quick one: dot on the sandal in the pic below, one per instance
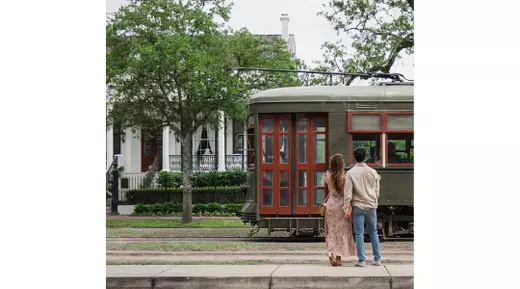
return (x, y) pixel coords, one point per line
(338, 260)
(332, 260)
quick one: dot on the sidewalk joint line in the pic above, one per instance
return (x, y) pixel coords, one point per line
(391, 280)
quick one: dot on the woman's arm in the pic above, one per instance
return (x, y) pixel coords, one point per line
(328, 181)
(347, 195)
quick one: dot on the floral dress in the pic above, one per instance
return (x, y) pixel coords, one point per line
(338, 229)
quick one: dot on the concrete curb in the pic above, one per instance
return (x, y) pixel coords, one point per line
(258, 276)
(254, 253)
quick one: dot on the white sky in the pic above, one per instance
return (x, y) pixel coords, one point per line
(311, 31)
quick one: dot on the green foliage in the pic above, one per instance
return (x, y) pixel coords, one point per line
(169, 179)
(169, 223)
(203, 179)
(380, 30)
(168, 64)
(200, 195)
(170, 208)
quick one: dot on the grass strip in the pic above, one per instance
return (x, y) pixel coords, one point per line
(165, 223)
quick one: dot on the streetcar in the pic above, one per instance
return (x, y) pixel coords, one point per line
(291, 134)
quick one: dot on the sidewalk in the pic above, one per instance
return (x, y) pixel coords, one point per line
(258, 276)
(277, 258)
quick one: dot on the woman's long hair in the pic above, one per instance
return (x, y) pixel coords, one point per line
(337, 170)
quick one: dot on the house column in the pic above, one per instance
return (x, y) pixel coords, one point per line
(166, 149)
(110, 146)
(221, 143)
(127, 151)
(230, 141)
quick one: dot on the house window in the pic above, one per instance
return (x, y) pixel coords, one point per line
(117, 139)
(203, 141)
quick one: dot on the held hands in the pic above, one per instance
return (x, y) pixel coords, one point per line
(348, 213)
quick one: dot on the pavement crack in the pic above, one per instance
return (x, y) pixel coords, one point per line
(173, 266)
(391, 280)
(154, 280)
(271, 276)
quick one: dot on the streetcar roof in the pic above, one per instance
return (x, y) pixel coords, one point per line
(334, 94)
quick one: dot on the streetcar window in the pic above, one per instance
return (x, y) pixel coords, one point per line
(302, 148)
(319, 149)
(371, 142)
(320, 124)
(399, 122)
(250, 147)
(362, 122)
(400, 148)
(267, 148)
(267, 125)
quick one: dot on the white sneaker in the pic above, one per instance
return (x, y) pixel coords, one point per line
(376, 263)
(360, 264)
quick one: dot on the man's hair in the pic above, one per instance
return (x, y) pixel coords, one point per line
(360, 154)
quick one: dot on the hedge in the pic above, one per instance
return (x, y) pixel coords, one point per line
(171, 208)
(199, 195)
(203, 179)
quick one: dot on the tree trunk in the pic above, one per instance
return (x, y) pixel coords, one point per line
(187, 164)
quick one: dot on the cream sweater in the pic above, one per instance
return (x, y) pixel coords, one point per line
(362, 188)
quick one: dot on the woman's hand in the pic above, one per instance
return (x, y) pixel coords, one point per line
(348, 213)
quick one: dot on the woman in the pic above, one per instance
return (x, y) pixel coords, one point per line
(338, 239)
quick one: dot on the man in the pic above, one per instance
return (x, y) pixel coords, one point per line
(363, 194)
(393, 158)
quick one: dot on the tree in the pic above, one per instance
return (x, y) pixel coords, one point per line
(168, 65)
(380, 31)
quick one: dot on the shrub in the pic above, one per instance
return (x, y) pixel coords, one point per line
(232, 208)
(169, 180)
(214, 208)
(199, 195)
(203, 179)
(161, 209)
(198, 208)
(141, 209)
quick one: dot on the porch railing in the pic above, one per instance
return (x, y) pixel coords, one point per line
(235, 162)
(202, 163)
(206, 163)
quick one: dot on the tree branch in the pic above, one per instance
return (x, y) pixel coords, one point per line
(410, 2)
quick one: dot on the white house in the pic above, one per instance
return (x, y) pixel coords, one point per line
(220, 149)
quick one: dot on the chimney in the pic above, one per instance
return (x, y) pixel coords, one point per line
(285, 27)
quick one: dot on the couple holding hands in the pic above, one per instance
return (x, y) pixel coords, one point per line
(352, 200)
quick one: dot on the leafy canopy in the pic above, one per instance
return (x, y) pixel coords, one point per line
(168, 64)
(380, 30)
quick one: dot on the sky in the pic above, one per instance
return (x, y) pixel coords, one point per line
(310, 30)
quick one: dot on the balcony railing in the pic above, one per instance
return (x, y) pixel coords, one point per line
(202, 163)
(206, 163)
(235, 162)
